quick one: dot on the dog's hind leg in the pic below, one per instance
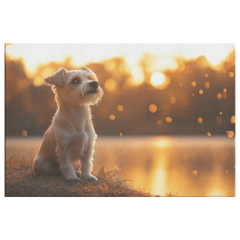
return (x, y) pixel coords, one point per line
(46, 167)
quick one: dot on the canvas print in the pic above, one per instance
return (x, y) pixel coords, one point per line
(120, 120)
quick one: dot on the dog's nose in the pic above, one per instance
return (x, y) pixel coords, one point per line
(94, 84)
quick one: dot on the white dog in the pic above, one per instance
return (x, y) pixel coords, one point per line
(69, 141)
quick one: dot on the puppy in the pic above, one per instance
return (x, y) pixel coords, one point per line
(68, 144)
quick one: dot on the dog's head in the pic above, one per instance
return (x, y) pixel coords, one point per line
(75, 87)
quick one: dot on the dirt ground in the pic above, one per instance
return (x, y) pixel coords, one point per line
(20, 180)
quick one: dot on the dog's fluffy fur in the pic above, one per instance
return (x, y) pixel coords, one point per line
(68, 144)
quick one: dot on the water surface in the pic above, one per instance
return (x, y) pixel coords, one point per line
(180, 165)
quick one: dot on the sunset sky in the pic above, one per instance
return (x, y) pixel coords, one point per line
(34, 54)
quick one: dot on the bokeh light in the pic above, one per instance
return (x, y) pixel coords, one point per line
(112, 117)
(232, 120)
(120, 108)
(159, 122)
(168, 119)
(194, 173)
(172, 100)
(152, 108)
(193, 84)
(207, 85)
(24, 133)
(224, 95)
(200, 120)
(230, 134)
(110, 85)
(38, 81)
(231, 74)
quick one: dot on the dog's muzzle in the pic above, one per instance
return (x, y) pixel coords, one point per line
(94, 85)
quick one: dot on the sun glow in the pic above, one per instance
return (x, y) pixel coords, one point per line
(84, 53)
(157, 79)
(137, 76)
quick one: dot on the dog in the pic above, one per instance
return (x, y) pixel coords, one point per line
(68, 144)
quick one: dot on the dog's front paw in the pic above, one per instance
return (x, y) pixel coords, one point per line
(89, 177)
(73, 179)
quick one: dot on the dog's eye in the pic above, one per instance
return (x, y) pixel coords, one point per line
(75, 81)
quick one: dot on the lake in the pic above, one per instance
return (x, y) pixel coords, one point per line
(179, 165)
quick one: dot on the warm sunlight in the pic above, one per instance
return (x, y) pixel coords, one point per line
(35, 54)
(38, 81)
(137, 76)
(159, 180)
(160, 149)
(216, 193)
(164, 115)
(157, 79)
(161, 143)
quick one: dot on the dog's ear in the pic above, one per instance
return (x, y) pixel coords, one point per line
(87, 69)
(57, 79)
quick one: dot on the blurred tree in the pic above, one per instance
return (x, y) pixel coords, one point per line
(16, 78)
(195, 89)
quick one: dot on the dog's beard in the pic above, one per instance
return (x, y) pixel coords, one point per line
(98, 96)
(87, 95)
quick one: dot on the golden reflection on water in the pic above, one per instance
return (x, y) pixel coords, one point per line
(183, 166)
(160, 149)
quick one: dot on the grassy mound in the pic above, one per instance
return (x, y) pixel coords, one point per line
(20, 180)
